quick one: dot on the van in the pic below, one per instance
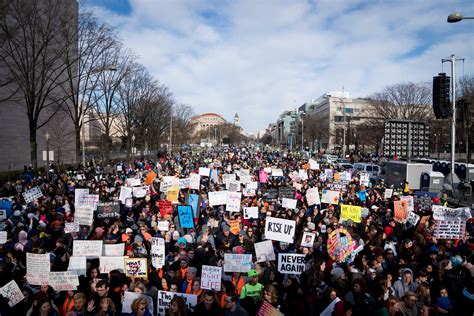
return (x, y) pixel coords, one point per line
(371, 169)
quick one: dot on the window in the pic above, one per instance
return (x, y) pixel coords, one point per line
(369, 168)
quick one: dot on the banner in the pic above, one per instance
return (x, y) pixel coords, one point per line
(87, 248)
(233, 201)
(194, 181)
(157, 252)
(128, 299)
(279, 229)
(217, 198)
(150, 177)
(193, 201)
(288, 203)
(211, 278)
(108, 209)
(400, 211)
(186, 219)
(108, 264)
(237, 262)
(12, 293)
(264, 251)
(164, 301)
(136, 267)
(113, 250)
(351, 212)
(37, 268)
(312, 197)
(33, 194)
(84, 215)
(330, 197)
(250, 212)
(291, 263)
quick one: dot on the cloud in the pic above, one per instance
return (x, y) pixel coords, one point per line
(255, 58)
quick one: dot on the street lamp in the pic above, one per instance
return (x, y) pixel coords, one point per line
(133, 146)
(93, 71)
(456, 17)
(47, 155)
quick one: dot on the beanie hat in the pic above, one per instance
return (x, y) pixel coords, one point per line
(311, 226)
(137, 239)
(252, 273)
(337, 273)
(238, 250)
(456, 261)
(182, 241)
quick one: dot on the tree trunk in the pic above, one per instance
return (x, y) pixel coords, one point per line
(33, 146)
(77, 131)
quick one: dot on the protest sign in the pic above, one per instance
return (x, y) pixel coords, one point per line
(277, 173)
(136, 267)
(128, 203)
(312, 196)
(245, 179)
(184, 183)
(214, 176)
(423, 201)
(186, 219)
(279, 229)
(330, 197)
(449, 229)
(205, 172)
(211, 278)
(362, 194)
(78, 193)
(87, 248)
(172, 194)
(165, 207)
(128, 299)
(108, 209)
(217, 198)
(308, 239)
(113, 250)
(233, 186)
(133, 182)
(297, 186)
(168, 182)
(263, 176)
(150, 177)
(164, 301)
(286, 192)
(78, 265)
(364, 179)
(410, 202)
(400, 210)
(237, 262)
(294, 176)
(12, 293)
(329, 174)
(163, 226)
(63, 281)
(339, 245)
(33, 194)
(71, 227)
(194, 181)
(139, 192)
(84, 215)
(157, 252)
(119, 168)
(343, 176)
(252, 185)
(3, 237)
(313, 164)
(337, 185)
(303, 174)
(413, 218)
(441, 213)
(90, 200)
(351, 212)
(267, 309)
(328, 311)
(193, 201)
(233, 201)
(234, 226)
(388, 193)
(228, 177)
(291, 263)
(248, 192)
(250, 212)
(288, 203)
(264, 251)
(37, 268)
(108, 264)
(270, 194)
(125, 193)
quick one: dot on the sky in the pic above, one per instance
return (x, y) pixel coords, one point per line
(259, 58)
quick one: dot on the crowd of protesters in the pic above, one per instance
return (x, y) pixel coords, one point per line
(397, 270)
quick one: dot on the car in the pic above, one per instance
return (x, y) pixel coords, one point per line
(372, 169)
(345, 166)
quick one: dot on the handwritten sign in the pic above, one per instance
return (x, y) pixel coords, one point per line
(150, 177)
(157, 252)
(339, 244)
(90, 200)
(279, 229)
(37, 268)
(193, 201)
(125, 193)
(113, 250)
(449, 229)
(264, 251)
(204, 172)
(164, 301)
(400, 210)
(388, 193)
(136, 267)
(164, 226)
(87, 248)
(12, 293)
(165, 207)
(84, 215)
(277, 173)
(233, 201)
(186, 219)
(194, 181)
(263, 176)
(217, 198)
(211, 278)
(330, 197)
(184, 183)
(63, 281)
(234, 226)
(108, 264)
(139, 192)
(33, 194)
(410, 202)
(108, 209)
(77, 265)
(133, 182)
(288, 203)
(351, 212)
(312, 196)
(78, 193)
(250, 212)
(313, 164)
(237, 262)
(172, 194)
(286, 192)
(291, 263)
(413, 218)
(71, 227)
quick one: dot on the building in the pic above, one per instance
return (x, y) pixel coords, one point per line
(206, 120)
(236, 120)
(287, 128)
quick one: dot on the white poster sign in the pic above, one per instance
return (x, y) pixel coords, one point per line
(163, 226)
(78, 265)
(32, 194)
(252, 185)
(289, 263)
(313, 164)
(63, 281)
(288, 203)
(277, 173)
(84, 215)
(90, 200)
(233, 201)
(113, 250)
(388, 193)
(237, 262)
(205, 172)
(3, 237)
(410, 202)
(217, 198)
(194, 181)
(37, 268)
(78, 193)
(71, 227)
(413, 218)
(87, 248)
(12, 293)
(164, 301)
(312, 196)
(279, 229)
(108, 264)
(211, 278)
(157, 252)
(125, 193)
(133, 182)
(250, 212)
(264, 251)
(184, 183)
(308, 239)
(330, 197)
(303, 175)
(139, 192)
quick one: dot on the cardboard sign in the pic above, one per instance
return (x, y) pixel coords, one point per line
(264, 251)
(184, 183)
(279, 229)
(217, 198)
(308, 239)
(204, 172)
(63, 281)
(157, 252)
(330, 197)
(351, 212)
(410, 202)
(165, 207)
(113, 250)
(194, 181)
(263, 176)
(250, 212)
(234, 226)
(78, 265)
(133, 182)
(173, 194)
(150, 178)
(84, 215)
(288, 203)
(233, 201)
(164, 301)
(277, 173)
(313, 164)
(312, 197)
(400, 211)
(211, 278)
(339, 245)
(108, 264)
(186, 219)
(108, 209)
(128, 299)
(33, 194)
(37, 268)
(87, 248)
(12, 293)
(3, 237)
(193, 201)
(125, 193)
(388, 193)
(291, 263)
(237, 262)
(136, 267)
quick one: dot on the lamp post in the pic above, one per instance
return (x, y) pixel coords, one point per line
(47, 155)
(133, 146)
(83, 130)
(457, 17)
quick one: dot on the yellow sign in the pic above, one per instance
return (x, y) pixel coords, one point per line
(173, 194)
(351, 212)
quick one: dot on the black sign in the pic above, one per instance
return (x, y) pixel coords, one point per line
(396, 138)
(286, 192)
(108, 209)
(423, 201)
(270, 194)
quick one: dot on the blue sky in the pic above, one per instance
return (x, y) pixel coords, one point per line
(258, 58)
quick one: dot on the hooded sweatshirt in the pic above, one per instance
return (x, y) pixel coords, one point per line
(400, 287)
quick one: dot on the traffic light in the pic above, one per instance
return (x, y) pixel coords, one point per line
(441, 104)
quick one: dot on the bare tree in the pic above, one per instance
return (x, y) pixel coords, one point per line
(182, 128)
(316, 128)
(466, 113)
(30, 55)
(60, 136)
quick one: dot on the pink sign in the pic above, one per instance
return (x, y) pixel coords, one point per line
(263, 176)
